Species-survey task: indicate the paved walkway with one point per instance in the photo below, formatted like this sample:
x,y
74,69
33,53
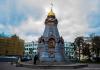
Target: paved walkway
x,y
8,66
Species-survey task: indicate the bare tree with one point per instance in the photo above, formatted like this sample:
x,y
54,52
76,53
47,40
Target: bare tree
x,y
79,41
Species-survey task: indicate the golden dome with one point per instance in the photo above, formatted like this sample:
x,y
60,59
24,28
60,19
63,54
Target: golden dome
x,y
51,13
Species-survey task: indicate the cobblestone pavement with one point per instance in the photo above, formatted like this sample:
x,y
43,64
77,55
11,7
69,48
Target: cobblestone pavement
x,y
8,66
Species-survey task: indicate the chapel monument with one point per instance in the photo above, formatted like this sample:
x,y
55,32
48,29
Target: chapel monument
x,y
51,44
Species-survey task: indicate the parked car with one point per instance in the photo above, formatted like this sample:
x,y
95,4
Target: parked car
x,y
26,58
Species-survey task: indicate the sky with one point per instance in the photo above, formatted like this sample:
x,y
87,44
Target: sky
x,y
26,18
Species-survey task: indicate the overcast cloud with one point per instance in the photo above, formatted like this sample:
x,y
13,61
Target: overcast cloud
x,y
26,17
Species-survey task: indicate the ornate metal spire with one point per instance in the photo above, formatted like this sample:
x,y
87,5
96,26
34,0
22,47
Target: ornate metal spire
x,y
51,13
51,4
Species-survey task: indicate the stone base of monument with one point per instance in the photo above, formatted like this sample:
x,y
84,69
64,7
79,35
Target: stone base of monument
x,y
71,66
51,63
57,66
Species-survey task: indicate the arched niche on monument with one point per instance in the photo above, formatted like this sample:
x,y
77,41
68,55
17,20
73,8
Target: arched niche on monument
x,y
51,43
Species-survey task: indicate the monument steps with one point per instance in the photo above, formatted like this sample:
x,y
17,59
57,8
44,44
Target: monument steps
x,y
51,63
53,66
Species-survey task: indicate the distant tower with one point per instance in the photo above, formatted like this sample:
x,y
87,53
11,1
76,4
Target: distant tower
x,y
51,45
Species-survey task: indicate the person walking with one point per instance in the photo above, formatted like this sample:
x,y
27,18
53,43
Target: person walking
x,y
35,58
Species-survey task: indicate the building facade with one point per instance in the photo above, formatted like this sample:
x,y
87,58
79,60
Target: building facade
x,y
69,50
30,48
11,46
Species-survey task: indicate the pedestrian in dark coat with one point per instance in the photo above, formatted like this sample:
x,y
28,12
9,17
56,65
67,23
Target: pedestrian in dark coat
x,y
35,58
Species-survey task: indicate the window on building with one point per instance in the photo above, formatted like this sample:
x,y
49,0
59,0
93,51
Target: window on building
x,y
35,44
34,48
27,45
27,48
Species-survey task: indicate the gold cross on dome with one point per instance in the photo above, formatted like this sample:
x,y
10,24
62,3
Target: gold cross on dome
x,y
51,4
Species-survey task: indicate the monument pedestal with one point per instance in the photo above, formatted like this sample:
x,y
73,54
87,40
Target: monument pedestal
x,y
51,44
62,66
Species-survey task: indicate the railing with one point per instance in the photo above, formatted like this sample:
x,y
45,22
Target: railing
x,y
8,59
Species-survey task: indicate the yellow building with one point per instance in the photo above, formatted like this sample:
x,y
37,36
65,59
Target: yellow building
x,y
11,46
